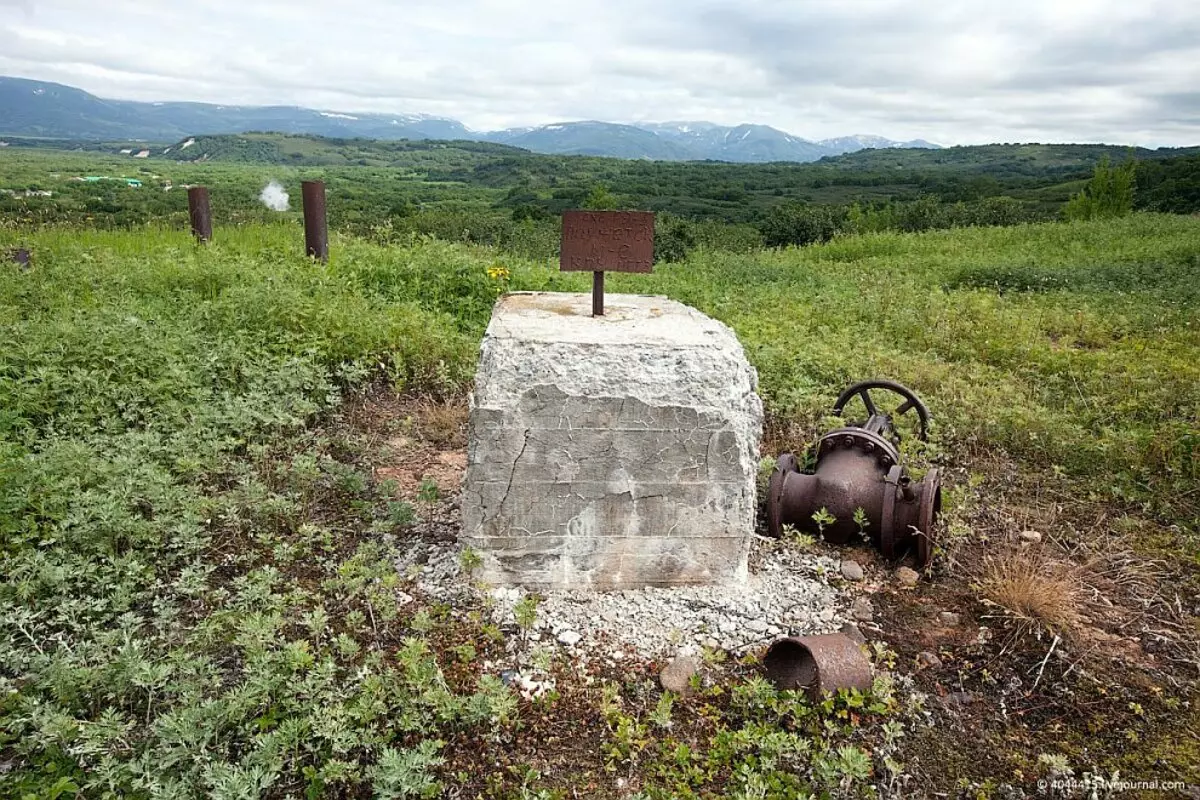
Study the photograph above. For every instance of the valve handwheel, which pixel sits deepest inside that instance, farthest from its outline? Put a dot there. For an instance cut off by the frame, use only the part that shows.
(911, 401)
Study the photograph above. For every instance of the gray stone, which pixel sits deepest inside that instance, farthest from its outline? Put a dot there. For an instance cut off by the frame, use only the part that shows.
(907, 576)
(959, 699)
(1033, 537)
(569, 638)
(852, 570)
(610, 452)
(678, 672)
(853, 633)
(928, 658)
(948, 618)
(861, 609)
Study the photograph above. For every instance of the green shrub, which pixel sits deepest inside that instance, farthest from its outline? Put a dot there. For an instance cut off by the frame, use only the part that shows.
(1108, 194)
(798, 224)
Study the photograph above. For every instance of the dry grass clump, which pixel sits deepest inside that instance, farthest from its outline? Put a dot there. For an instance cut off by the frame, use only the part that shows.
(443, 424)
(1033, 588)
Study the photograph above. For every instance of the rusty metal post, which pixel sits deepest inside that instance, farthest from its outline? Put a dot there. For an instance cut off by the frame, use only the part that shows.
(201, 214)
(316, 233)
(598, 293)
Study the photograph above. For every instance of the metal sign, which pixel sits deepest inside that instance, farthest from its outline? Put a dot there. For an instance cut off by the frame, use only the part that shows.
(612, 241)
(599, 241)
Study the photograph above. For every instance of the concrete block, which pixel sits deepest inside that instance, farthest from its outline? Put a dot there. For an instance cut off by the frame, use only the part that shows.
(610, 452)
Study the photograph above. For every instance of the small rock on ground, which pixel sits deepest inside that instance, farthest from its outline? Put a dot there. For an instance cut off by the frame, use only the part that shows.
(907, 576)
(1033, 537)
(948, 618)
(959, 699)
(861, 609)
(851, 632)
(928, 659)
(852, 570)
(569, 638)
(678, 672)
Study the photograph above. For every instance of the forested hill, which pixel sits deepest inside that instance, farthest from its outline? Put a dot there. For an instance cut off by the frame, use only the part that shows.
(483, 183)
(1031, 159)
(1034, 160)
(1008, 159)
(1043, 175)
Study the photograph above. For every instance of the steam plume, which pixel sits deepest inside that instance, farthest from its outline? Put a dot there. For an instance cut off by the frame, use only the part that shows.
(274, 196)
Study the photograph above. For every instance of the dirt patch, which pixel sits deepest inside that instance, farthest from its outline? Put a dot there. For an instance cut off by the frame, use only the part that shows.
(1007, 691)
(411, 441)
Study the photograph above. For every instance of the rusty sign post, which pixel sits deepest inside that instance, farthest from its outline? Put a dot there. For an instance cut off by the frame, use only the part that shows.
(201, 214)
(599, 241)
(316, 233)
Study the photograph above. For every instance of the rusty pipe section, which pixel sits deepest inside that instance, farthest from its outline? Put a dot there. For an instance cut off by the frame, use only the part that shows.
(200, 214)
(858, 467)
(316, 228)
(817, 664)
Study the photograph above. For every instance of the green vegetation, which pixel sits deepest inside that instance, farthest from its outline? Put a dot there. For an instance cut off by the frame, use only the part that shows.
(497, 195)
(1108, 194)
(198, 593)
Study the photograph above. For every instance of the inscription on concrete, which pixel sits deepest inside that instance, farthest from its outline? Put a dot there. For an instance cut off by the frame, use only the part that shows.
(613, 241)
(611, 452)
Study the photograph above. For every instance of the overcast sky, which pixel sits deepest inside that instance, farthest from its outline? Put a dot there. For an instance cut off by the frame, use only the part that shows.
(952, 71)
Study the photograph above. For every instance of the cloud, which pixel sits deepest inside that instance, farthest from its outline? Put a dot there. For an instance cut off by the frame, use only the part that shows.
(971, 71)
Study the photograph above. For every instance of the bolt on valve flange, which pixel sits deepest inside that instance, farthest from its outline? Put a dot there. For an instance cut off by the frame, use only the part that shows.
(859, 473)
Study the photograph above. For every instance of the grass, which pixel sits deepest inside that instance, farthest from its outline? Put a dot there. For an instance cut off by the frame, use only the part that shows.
(1034, 588)
(198, 596)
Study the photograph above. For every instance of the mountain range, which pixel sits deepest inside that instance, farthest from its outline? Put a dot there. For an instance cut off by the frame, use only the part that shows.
(51, 110)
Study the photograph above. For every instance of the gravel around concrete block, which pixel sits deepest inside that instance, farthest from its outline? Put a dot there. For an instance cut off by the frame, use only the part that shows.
(787, 593)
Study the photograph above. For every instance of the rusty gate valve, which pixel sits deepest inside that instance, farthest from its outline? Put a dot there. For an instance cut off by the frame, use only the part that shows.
(858, 473)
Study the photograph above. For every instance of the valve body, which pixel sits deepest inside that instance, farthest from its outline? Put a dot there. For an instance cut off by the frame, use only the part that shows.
(858, 474)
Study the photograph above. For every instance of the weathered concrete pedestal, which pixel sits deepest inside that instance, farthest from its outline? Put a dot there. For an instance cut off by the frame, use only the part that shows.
(610, 452)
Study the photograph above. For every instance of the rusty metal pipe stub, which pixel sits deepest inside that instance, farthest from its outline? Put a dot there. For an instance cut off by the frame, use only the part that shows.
(817, 664)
